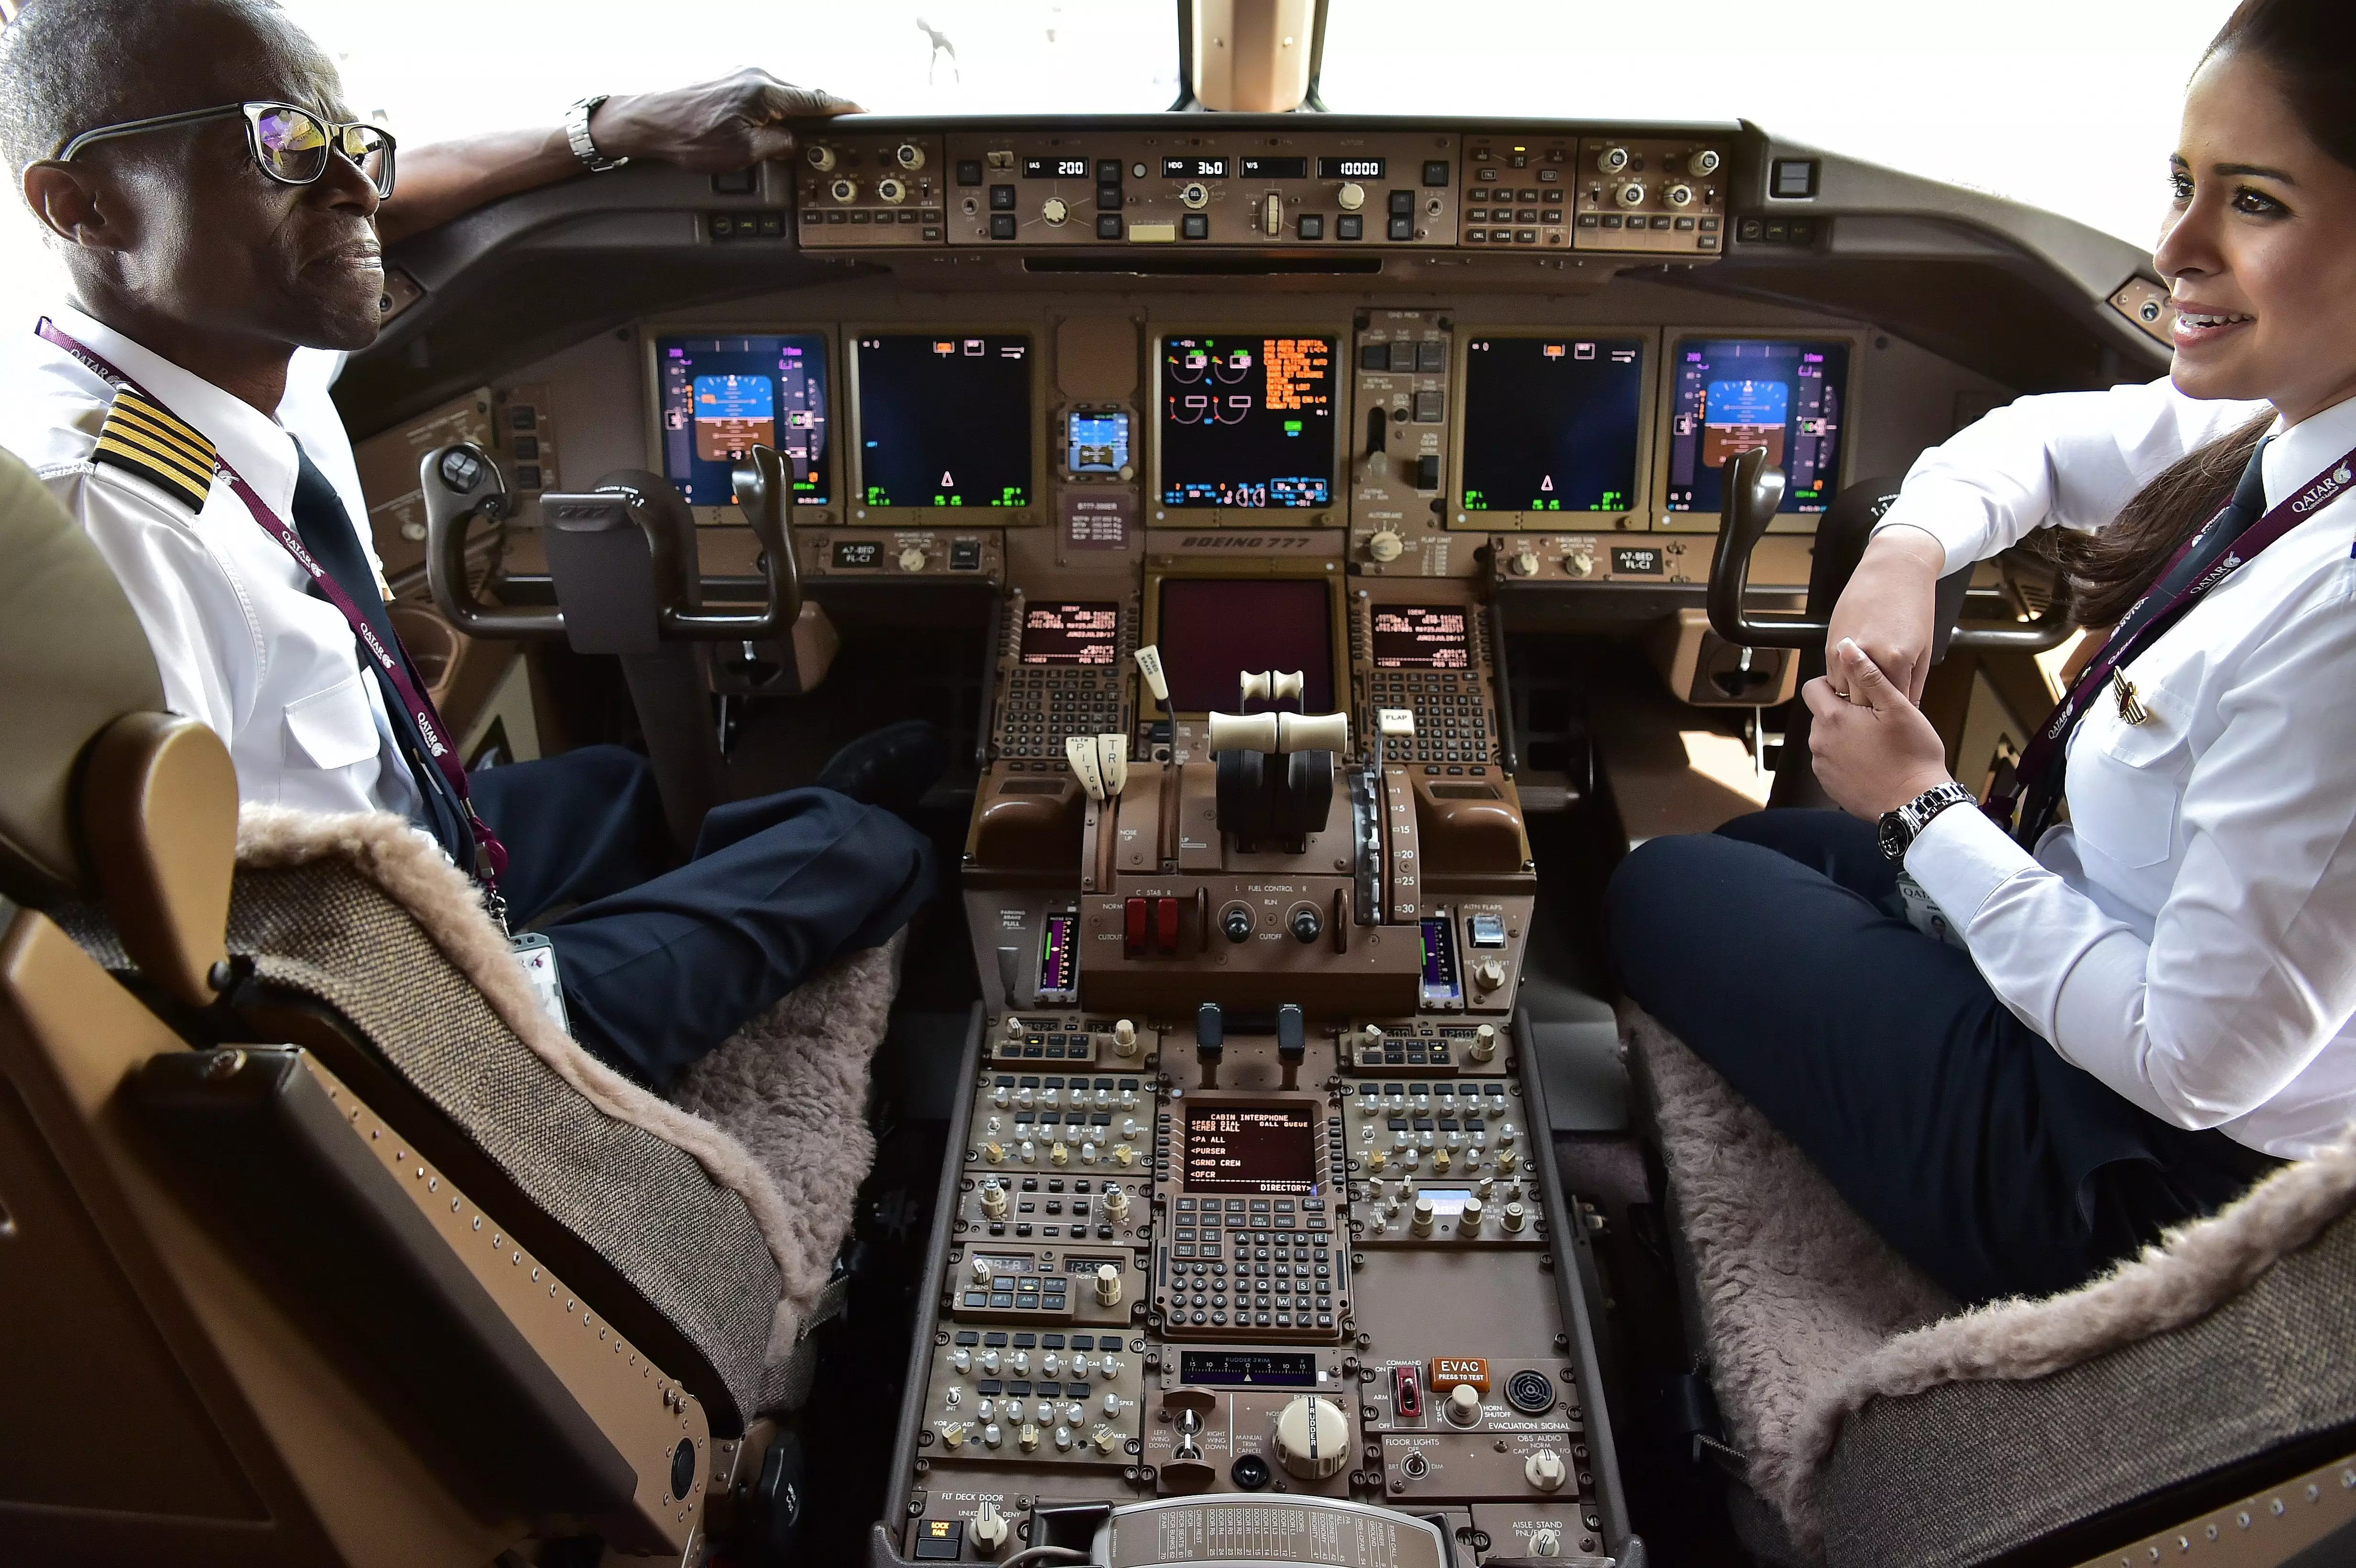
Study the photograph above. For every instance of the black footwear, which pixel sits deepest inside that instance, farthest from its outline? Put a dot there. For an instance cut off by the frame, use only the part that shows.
(892, 767)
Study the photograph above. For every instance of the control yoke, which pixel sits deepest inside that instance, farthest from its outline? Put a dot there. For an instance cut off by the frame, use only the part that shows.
(1753, 494)
(631, 543)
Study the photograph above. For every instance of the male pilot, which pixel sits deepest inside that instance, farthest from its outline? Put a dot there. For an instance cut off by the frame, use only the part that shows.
(221, 220)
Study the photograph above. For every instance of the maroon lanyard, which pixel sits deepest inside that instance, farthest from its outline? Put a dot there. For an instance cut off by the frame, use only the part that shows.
(2035, 776)
(492, 857)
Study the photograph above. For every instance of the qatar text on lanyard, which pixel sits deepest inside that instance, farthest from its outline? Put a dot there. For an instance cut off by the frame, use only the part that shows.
(491, 856)
(2037, 779)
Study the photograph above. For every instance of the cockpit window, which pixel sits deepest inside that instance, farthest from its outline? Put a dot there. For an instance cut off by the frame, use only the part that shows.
(2053, 105)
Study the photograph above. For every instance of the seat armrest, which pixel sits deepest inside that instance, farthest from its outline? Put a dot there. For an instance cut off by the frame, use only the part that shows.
(526, 1401)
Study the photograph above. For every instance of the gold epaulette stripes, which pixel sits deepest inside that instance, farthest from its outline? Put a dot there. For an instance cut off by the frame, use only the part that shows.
(157, 446)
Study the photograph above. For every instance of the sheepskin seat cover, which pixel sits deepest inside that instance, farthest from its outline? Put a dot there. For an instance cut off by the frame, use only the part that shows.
(1882, 1425)
(722, 1207)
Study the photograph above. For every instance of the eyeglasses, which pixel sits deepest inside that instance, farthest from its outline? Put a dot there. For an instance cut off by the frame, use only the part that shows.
(288, 142)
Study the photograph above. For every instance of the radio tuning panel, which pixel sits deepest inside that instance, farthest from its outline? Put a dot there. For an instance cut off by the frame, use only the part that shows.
(865, 191)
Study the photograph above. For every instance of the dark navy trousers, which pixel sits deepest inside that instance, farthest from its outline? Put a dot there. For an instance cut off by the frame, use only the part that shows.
(661, 964)
(1778, 950)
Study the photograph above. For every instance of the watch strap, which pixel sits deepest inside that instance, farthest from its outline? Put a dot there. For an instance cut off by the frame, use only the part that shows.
(576, 134)
(1900, 828)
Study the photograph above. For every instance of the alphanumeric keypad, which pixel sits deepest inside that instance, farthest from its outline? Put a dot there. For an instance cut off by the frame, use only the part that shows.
(1451, 718)
(1043, 706)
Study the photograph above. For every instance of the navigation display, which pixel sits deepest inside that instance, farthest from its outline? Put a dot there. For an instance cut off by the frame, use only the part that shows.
(1787, 395)
(1421, 636)
(1550, 423)
(1212, 630)
(721, 397)
(944, 420)
(1070, 634)
(1248, 421)
(1267, 1149)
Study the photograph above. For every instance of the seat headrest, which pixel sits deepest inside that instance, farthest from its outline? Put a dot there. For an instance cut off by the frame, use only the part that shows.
(73, 660)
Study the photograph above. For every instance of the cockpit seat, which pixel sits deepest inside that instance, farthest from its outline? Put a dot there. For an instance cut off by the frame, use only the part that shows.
(1872, 1423)
(337, 1249)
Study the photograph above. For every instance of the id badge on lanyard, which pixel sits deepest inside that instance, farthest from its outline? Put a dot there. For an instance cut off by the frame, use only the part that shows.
(536, 956)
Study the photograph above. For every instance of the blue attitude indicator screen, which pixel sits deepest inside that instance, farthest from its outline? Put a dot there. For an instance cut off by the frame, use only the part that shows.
(1550, 423)
(1728, 395)
(721, 397)
(945, 420)
(1248, 421)
(1098, 443)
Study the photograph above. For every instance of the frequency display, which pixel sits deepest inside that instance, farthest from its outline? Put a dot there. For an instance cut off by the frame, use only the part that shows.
(721, 397)
(1070, 634)
(1421, 636)
(1267, 1149)
(1550, 423)
(1731, 394)
(1212, 630)
(1248, 421)
(944, 420)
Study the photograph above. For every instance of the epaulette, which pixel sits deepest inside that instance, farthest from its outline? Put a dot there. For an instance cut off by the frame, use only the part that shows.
(157, 445)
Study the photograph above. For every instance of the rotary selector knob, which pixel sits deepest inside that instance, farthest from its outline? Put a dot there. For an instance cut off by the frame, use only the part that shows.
(1705, 162)
(1611, 160)
(1523, 562)
(1544, 1470)
(1014, 1027)
(1545, 1542)
(912, 558)
(1464, 1406)
(1312, 1438)
(993, 1200)
(1467, 1220)
(1116, 1205)
(1678, 195)
(989, 1527)
(820, 156)
(1424, 1213)
(1351, 196)
(1517, 1217)
(982, 1273)
(1054, 209)
(1631, 195)
(1194, 195)
(1579, 562)
(1108, 1285)
(844, 190)
(1484, 1043)
(1488, 973)
(892, 190)
(908, 155)
(1386, 546)
(1124, 1038)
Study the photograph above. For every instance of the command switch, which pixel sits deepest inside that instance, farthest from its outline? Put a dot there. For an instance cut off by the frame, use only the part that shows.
(1407, 1393)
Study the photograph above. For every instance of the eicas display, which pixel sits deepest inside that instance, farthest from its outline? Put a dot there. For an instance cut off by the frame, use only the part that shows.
(945, 420)
(1246, 421)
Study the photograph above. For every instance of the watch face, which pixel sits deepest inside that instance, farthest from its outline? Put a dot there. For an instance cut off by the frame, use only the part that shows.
(1893, 834)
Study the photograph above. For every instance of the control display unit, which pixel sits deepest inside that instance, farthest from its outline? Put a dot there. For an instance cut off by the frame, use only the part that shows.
(1096, 441)
(1552, 424)
(1420, 636)
(1068, 634)
(721, 397)
(945, 419)
(1266, 1150)
(1246, 421)
(1212, 630)
(1729, 394)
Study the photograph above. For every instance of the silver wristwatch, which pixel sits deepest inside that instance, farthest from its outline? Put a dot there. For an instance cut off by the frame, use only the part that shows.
(576, 131)
(1901, 828)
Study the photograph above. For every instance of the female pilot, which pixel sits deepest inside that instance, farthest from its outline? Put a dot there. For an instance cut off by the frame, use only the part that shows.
(2154, 1001)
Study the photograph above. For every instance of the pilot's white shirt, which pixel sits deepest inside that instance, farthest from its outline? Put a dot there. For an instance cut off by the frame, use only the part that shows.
(2189, 936)
(241, 642)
